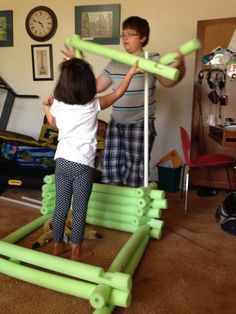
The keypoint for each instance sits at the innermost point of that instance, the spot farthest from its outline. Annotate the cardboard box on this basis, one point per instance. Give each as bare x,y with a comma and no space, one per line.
170,160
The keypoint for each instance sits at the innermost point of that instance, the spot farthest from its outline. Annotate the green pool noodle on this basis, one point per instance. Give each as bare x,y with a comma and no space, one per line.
116,208
49,179
105,310
119,217
156,233
58,283
111,224
46,210
157,194
26,229
118,199
103,294
48,195
117,280
126,253
143,201
124,57
100,296
138,221
49,187
120,298
51,193
154,213
156,224
78,54
185,49
120,190
48,202
133,263
159,203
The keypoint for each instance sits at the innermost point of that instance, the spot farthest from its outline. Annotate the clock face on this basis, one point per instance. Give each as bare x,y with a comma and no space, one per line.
41,23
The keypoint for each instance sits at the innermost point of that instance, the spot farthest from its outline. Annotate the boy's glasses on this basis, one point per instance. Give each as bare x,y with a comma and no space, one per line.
128,35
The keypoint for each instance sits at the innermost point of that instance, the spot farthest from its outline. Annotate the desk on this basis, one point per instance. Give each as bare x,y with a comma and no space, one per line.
225,137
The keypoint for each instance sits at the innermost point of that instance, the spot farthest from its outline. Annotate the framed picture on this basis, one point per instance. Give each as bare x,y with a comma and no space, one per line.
42,62
6,28
98,23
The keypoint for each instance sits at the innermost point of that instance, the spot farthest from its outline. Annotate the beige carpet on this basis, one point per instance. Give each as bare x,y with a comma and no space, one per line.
191,269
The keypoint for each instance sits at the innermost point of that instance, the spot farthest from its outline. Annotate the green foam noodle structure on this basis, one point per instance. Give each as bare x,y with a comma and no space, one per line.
134,211
124,57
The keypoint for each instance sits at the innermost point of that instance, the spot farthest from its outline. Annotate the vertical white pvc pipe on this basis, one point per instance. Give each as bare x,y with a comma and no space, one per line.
146,120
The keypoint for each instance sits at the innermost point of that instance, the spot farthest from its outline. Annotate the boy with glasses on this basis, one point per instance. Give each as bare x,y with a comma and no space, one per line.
123,161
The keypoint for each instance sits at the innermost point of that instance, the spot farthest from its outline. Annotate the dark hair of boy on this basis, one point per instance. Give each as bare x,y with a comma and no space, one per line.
138,24
76,84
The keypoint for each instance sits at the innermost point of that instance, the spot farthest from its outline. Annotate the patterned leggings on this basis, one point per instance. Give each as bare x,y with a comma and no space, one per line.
77,180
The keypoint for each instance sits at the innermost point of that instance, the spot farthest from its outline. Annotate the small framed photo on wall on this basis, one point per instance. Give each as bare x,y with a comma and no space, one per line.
42,62
6,28
98,23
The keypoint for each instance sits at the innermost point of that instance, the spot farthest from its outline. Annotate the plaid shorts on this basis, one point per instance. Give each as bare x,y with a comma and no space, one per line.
123,161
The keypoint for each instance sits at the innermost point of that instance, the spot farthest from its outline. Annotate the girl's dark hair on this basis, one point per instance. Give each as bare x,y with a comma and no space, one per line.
76,84
138,24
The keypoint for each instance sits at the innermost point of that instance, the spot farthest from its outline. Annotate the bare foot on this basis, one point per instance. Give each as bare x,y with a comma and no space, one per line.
59,248
78,254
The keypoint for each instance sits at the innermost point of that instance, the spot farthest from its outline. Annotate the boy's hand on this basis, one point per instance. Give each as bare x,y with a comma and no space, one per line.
48,100
179,60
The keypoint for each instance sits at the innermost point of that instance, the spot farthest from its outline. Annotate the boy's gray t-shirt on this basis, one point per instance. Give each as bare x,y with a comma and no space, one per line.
130,107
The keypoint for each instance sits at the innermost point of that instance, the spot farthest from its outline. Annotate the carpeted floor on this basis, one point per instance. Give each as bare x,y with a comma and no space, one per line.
190,270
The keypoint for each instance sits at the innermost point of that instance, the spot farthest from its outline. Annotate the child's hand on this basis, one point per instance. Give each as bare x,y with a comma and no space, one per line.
48,100
69,53
134,69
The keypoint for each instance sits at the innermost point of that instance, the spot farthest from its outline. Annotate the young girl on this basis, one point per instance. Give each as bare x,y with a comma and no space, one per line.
73,110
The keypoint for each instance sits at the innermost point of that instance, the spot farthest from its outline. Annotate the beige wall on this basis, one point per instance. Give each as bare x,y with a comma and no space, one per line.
172,23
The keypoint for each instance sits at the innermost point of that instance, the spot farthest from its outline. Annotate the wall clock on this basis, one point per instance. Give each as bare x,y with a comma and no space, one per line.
41,23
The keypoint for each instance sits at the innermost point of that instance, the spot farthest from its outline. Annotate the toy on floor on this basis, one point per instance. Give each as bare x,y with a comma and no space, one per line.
89,234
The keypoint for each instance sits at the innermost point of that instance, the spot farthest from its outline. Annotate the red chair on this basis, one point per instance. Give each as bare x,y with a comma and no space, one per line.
208,160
